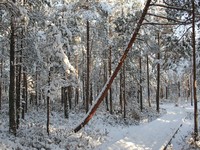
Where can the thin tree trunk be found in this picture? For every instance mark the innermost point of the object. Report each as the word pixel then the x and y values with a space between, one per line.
pixel 158 79
pixel 69 93
pixel 109 82
pixel 65 98
pixel 148 88
pixel 48 103
pixel 141 98
pixel 124 90
pixel 12 104
pixel 77 88
pixel 24 94
pixel 121 91
pixel 91 93
pixel 36 87
pixel 88 68
pixel 110 69
pixel 166 92
pixel 188 88
pixel 191 90
pixel 105 79
pixel 194 73
pixel 1 79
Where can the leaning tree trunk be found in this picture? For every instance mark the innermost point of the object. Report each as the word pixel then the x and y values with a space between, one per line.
pixel 109 82
pixel 194 74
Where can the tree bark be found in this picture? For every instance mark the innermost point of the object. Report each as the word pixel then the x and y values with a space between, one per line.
pixel 121 91
pixel 12 104
pixel 141 100
pixel 124 89
pixel 105 79
pixel 18 84
pixel 158 79
pixel 77 88
pixel 110 69
pixel 48 103
pixel 109 82
pixel 65 99
pixel 148 88
pixel 1 79
pixel 88 68
pixel 194 74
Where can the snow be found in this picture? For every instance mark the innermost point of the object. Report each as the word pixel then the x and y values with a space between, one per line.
pixel 103 132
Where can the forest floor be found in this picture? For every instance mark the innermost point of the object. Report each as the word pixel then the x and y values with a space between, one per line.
pixel 149 130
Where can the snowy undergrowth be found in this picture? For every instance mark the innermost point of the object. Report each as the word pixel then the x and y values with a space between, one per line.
pixel 32 131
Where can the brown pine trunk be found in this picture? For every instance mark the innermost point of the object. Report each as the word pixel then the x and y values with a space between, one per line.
pixel 109 82
pixel 191 90
pixel 158 79
pixel 110 69
pixel 148 83
pixel 121 91
pixel 194 73
pixel 141 98
pixel 12 102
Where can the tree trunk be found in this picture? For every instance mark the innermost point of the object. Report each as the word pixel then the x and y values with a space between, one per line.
pixel 110 70
pixel 166 92
pixel 191 90
pixel 109 82
pixel 36 87
pixel 18 84
pixel 124 90
pixel 48 103
pixel 88 68
pixel 77 88
pixel 69 93
pixel 194 73
pixel 121 91
pixel 1 79
pixel 65 99
pixel 148 88
pixel 158 79
pixel 141 100
pixel 24 102
pixel 12 104
pixel 105 79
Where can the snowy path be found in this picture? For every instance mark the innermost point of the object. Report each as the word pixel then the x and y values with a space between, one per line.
pixel 151 136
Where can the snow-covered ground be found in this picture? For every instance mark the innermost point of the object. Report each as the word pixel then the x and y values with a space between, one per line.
pixel 104 131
